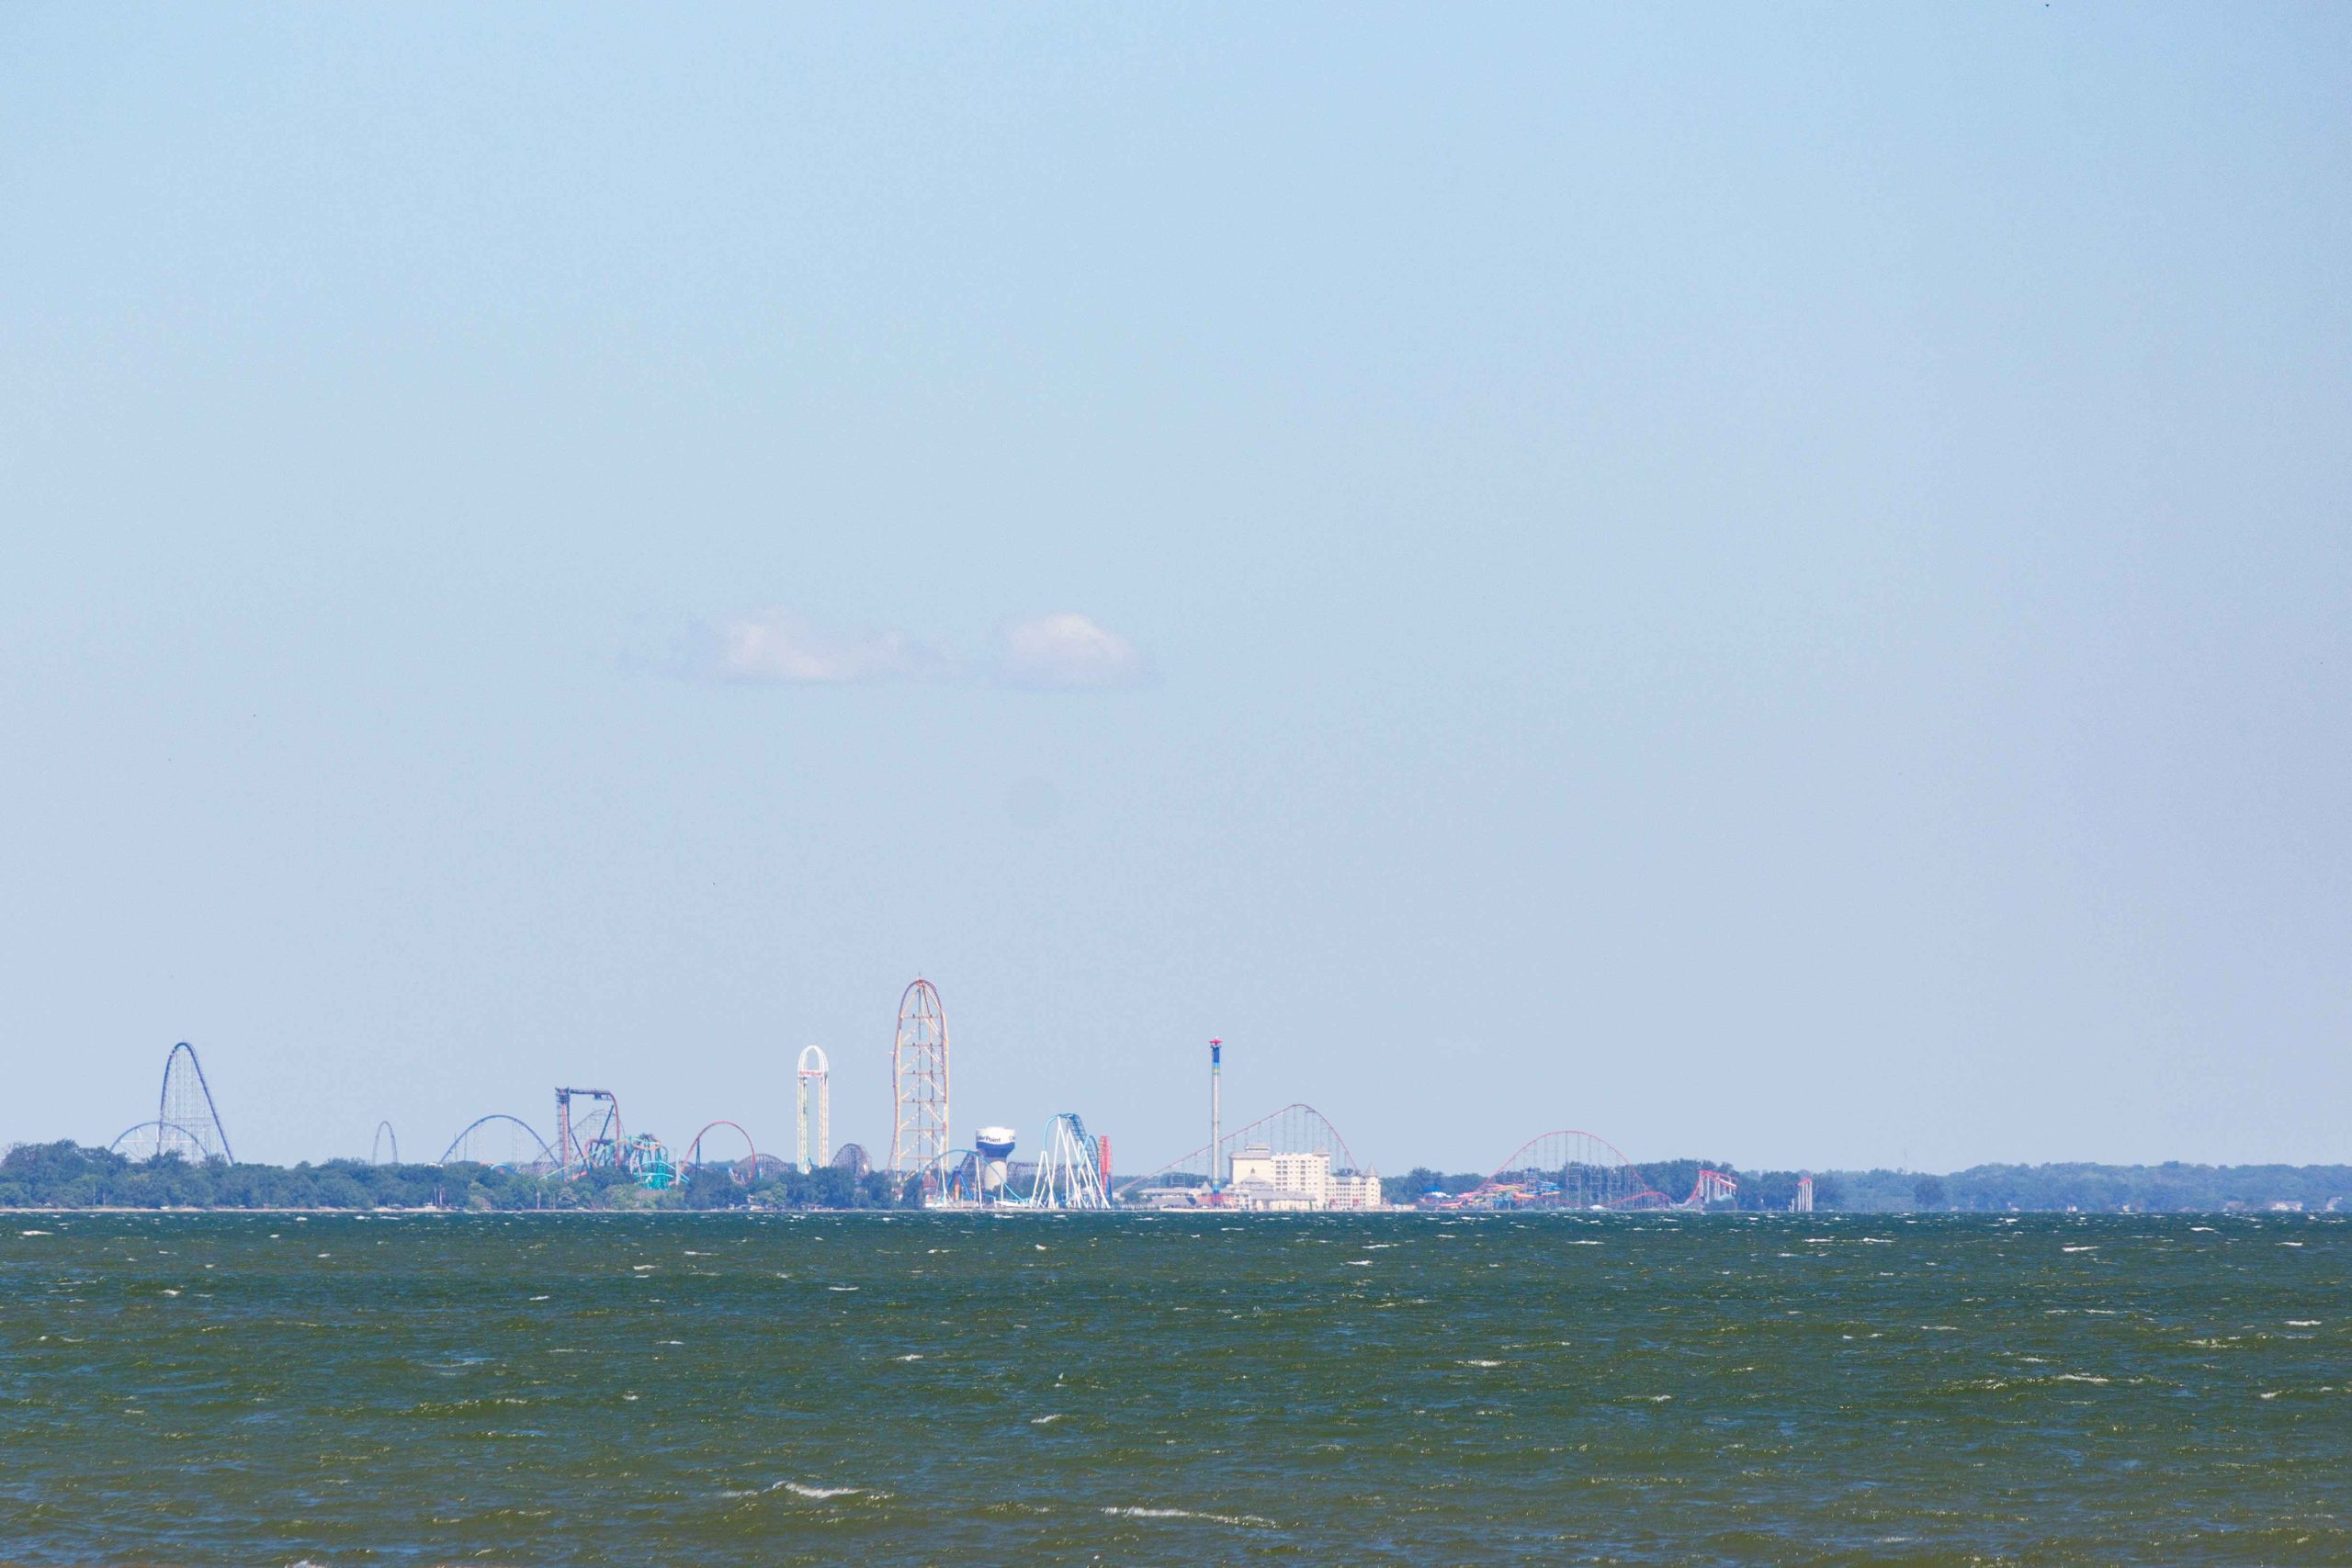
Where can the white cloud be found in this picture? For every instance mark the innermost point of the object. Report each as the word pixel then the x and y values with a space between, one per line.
pixel 787 650
pixel 1067 651
pixel 1048 653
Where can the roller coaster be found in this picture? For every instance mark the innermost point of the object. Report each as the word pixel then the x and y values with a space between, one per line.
pixel 477 1144
pixel 1296 1128
pixel 1568 1169
pixel 593 1138
pixel 186 1123
pixel 1071 1171
pixel 743 1170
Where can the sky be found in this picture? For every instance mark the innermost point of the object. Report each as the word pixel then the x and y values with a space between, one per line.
pixel 1771 583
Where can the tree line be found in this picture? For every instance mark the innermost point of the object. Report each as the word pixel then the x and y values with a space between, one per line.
pixel 71 1176
pixel 2172 1188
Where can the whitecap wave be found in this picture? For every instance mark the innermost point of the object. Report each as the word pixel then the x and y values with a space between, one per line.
pixel 798 1489
pixel 1243 1521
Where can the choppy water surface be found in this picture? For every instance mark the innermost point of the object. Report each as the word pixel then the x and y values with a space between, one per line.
pixel 216 1389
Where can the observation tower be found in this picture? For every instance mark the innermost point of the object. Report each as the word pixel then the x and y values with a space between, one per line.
pixel 1217 1110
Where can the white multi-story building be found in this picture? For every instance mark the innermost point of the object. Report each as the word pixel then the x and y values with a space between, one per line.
pixel 1264 1179
pixel 1307 1175
pixel 1264 1197
pixel 1356 1189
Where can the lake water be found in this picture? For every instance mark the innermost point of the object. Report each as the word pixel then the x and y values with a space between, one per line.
pixel 678 1389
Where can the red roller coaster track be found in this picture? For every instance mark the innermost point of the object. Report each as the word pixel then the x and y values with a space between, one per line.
pixel 750 1154
pixel 1572 1169
pixel 1296 1128
pixel 1567 1169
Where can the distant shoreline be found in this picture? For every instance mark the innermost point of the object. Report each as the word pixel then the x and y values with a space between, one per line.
pixel 1015 1211
pixel 67 1178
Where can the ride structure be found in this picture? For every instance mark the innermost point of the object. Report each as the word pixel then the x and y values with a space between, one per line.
pixel 1216 1110
pixel 1296 1128
pixel 815 1091
pixel 760 1168
pixel 919 1135
pixel 594 1138
pixel 186 1123
pixel 1570 1169
pixel 1071 1167
pixel 647 1158
pixel 1067 1174
pixel 743 1170
pixel 478 1145
pixel 1713 1187
pixel 385 1140
pixel 957 1179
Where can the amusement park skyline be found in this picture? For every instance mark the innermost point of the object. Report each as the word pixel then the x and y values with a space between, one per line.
pixel 1771 588
pixel 921 1134
pixel 1212 783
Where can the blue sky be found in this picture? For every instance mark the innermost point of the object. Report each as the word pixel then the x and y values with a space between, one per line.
pixel 1768 582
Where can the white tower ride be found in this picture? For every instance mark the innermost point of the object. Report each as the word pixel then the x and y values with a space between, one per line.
pixel 1217 1110
pixel 815 1129
pixel 919 1080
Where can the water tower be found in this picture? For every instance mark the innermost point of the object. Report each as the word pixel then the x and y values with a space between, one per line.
pixel 994 1146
